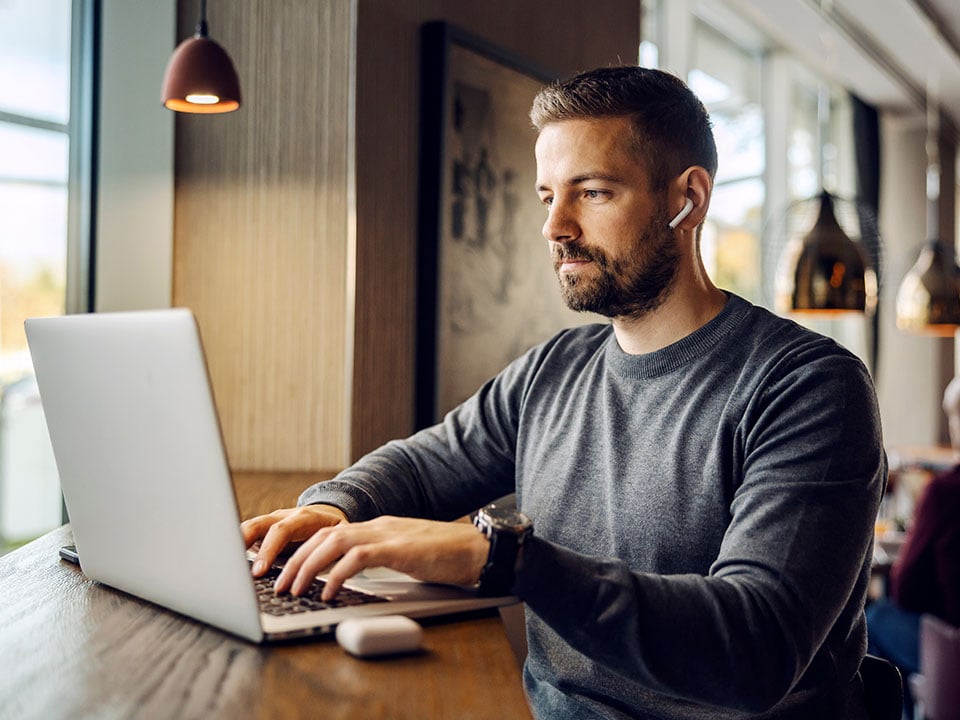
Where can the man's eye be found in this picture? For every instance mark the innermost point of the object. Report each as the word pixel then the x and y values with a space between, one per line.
pixel 547 200
pixel 595 194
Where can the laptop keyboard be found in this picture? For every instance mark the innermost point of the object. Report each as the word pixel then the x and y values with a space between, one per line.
pixel 286 604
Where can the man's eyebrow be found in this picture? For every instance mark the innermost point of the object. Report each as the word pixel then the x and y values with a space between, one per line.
pixel 586 177
pixel 589 176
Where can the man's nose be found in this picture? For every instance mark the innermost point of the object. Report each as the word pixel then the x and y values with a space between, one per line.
pixel 561 225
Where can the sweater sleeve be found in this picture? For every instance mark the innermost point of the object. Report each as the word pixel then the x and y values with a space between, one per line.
pixel 781 599
pixel 445 471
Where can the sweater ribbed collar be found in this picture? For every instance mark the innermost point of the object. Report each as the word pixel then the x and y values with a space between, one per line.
pixel 675 356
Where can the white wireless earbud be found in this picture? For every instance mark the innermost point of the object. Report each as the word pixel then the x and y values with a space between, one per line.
pixel 687 207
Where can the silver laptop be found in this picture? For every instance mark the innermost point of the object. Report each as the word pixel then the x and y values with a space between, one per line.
pixel 144 473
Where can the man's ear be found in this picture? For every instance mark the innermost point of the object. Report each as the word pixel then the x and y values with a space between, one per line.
pixel 696 185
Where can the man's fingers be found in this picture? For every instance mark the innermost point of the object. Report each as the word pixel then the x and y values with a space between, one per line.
pixel 274 541
pixel 282 527
pixel 294 564
pixel 321 551
pixel 254 528
pixel 353 562
pixel 427 550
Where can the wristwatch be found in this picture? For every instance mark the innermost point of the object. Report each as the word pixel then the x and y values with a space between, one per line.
pixel 507 529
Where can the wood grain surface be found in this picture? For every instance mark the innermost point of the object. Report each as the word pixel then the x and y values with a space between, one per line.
pixel 261 225
pixel 72 648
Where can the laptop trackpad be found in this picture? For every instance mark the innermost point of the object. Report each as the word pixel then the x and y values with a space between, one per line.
pixel 400 586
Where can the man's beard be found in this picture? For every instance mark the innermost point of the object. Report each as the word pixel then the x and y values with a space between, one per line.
pixel 630 287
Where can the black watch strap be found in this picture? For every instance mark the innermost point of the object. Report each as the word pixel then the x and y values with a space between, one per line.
pixel 506 529
pixel 497 575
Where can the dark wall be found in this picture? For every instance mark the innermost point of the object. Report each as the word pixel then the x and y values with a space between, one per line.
pixel 563 36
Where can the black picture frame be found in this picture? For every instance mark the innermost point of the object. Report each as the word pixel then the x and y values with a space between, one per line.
pixel 484 270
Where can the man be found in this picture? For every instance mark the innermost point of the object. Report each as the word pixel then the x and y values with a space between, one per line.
pixel 702 476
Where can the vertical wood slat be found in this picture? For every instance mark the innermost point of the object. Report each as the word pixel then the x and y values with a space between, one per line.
pixel 260 250
pixel 262 216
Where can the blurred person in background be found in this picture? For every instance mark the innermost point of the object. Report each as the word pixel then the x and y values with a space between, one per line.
pixel 925 577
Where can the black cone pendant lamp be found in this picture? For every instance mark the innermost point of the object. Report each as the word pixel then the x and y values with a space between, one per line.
pixel 928 300
pixel 831 272
pixel 200 76
pixel 825 271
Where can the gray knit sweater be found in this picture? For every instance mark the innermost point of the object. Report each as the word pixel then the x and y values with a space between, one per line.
pixel 703 516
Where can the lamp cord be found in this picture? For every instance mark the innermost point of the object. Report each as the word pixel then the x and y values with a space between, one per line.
pixel 823 131
pixel 933 161
pixel 202 24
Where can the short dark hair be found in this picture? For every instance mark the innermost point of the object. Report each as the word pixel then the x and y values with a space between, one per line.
pixel 672 128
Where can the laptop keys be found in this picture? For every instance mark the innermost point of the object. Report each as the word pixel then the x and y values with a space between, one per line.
pixel 285 603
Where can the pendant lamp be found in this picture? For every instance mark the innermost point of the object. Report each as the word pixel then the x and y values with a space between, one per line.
pixel 200 76
pixel 824 271
pixel 928 300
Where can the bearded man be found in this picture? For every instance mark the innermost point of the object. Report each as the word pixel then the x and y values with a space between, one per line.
pixel 696 480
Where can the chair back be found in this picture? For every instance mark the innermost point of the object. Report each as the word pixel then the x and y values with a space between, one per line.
pixel 882 688
pixel 940 669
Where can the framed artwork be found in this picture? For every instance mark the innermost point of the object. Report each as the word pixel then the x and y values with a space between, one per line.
pixel 487 290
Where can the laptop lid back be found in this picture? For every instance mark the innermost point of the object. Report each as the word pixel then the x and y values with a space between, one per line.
pixel 142 465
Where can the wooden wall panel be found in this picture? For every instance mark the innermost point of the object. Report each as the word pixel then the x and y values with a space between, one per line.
pixel 565 35
pixel 260 238
pixel 310 336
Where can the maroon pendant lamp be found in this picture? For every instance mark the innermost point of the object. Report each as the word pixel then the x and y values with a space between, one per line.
pixel 200 76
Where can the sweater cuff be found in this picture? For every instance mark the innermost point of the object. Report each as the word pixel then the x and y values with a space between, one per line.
pixel 540 566
pixel 356 504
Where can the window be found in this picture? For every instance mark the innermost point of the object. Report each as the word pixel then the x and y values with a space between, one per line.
pixel 43 151
pixel 820 155
pixel 710 43
pixel 726 75
pixel 650 25
pixel 727 79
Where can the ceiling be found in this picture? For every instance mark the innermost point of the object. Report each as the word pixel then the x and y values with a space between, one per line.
pixel 891 53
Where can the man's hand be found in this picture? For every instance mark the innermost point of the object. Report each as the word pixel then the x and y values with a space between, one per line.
pixel 446 552
pixel 282 527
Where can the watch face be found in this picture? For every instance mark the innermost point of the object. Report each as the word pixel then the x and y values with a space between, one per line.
pixel 505 517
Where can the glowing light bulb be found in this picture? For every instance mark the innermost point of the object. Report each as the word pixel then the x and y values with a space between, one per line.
pixel 202 99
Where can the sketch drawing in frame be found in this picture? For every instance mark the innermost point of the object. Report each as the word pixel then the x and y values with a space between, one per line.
pixel 487 291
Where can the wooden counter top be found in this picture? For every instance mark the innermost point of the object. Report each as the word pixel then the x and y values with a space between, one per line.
pixel 72 648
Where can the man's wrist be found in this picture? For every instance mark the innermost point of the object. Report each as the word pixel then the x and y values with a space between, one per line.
pixel 330 509
pixel 334 510
pixel 506 529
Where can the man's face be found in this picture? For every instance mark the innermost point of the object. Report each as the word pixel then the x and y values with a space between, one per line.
pixel 612 250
